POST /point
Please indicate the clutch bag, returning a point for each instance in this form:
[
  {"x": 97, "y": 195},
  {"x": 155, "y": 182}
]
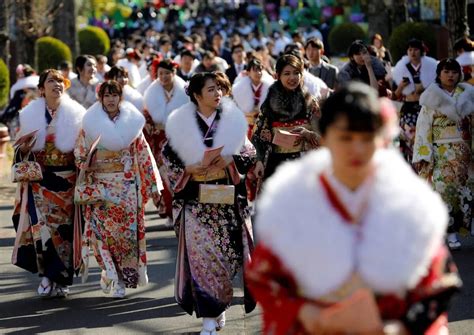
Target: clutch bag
[{"x": 216, "y": 194}]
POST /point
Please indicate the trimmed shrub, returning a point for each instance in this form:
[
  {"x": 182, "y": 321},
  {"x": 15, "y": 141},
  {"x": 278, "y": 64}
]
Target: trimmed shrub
[
  {"x": 342, "y": 36},
  {"x": 93, "y": 41},
  {"x": 4, "y": 83},
  {"x": 406, "y": 31},
  {"x": 49, "y": 52}
]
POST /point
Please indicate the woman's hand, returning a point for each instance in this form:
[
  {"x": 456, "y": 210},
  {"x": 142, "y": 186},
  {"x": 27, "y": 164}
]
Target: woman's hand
[
  {"x": 259, "y": 169},
  {"x": 308, "y": 136},
  {"x": 308, "y": 317}
]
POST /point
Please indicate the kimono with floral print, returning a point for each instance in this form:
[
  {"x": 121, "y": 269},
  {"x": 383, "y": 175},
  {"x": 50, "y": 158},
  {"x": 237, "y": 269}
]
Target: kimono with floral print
[
  {"x": 214, "y": 239},
  {"x": 115, "y": 227},
  {"x": 443, "y": 141}
]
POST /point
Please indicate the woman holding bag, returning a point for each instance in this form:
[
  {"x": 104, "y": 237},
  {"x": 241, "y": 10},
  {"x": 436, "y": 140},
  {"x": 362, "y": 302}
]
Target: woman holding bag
[
  {"x": 215, "y": 236},
  {"x": 370, "y": 255},
  {"x": 125, "y": 173},
  {"x": 49, "y": 127}
]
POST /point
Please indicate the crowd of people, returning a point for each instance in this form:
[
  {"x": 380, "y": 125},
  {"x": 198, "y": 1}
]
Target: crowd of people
[{"x": 233, "y": 129}]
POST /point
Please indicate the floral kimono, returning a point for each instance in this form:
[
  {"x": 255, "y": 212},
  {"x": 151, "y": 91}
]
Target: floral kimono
[
  {"x": 214, "y": 239},
  {"x": 123, "y": 164},
  {"x": 348, "y": 241},
  {"x": 443, "y": 140},
  {"x": 44, "y": 237},
  {"x": 158, "y": 106},
  {"x": 282, "y": 110}
]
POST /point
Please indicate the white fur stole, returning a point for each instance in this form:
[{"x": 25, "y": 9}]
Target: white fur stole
[
  {"x": 427, "y": 72},
  {"x": 454, "y": 107},
  {"x": 155, "y": 100},
  {"x": 114, "y": 136},
  {"x": 133, "y": 96},
  {"x": 186, "y": 138},
  {"x": 243, "y": 93},
  {"x": 391, "y": 248},
  {"x": 69, "y": 117}
]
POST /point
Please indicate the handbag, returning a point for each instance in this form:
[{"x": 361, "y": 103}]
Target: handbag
[
  {"x": 25, "y": 170},
  {"x": 217, "y": 194}
]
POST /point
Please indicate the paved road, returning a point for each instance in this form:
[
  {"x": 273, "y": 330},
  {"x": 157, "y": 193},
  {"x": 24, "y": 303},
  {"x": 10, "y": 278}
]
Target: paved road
[{"x": 147, "y": 310}]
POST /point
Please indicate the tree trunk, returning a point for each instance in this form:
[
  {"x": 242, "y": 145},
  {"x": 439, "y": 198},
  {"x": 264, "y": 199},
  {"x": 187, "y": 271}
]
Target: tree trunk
[
  {"x": 378, "y": 17},
  {"x": 64, "y": 24},
  {"x": 4, "y": 38},
  {"x": 399, "y": 12},
  {"x": 25, "y": 33},
  {"x": 456, "y": 15}
]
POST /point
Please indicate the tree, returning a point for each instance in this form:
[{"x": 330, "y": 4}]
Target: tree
[
  {"x": 456, "y": 14},
  {"x": 378, "y": 16},
  {"x": 64, "y": 24},
  {"x": 4, "y": 39}
]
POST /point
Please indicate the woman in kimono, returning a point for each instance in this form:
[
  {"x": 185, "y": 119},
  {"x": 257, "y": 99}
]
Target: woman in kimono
[
  {"x": 251, "y": 91},
  {"x": 130, "y": 94},
  {"x": 45, "y": 229},
  {"x": 442, "y": 152},
  {"x": 214, "y": 237},
  {"x": 124, "y": 166},
  {"x": 412, "y": 74},
  {"x": 83, "y": 87},
  {"x": 287, "y": 108},
  {"x": 369, "y": 256},
  {"x": 163, "y": 96}
]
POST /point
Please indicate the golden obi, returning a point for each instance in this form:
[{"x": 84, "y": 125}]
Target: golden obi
[
  {"x": 252, "y": 116},
  {"x": 221, "y": 174},
  {"x": 288, "y": 126},
  {"x": 108, "y": 161},
  {"x": 54, "y": 157}
]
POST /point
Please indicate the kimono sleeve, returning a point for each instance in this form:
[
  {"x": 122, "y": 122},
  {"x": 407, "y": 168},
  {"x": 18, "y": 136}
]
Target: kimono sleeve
[
  {"x": 151, "y": 184},
  {"x": 175, "y": 167},
  {"x": 423, "y": 147},
  {"x": 81, "y": 150},
  {"x": 246, "y": 159},
  {"x": 262, "y": 135},
  {"x": 275, "y": 290},
  {"x": 428, "y": 303}
]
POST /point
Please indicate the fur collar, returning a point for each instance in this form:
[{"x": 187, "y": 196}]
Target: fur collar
[
  {"x": 114, "y": 136},
  {"x": 454, "y": 107},
  {"x": 242, "y": 92},
  {"x": 427, "y": 72},
  {"x": 313, "y": 84},
  {"x": 144, "y": 84},
  {"x": 69, "y": 117},
  {"x": 155, "y": 100},
  {"x": 133, "y": 96},
  {"x": 401, "y": 230},
  {"x": 185, "y": 137}
]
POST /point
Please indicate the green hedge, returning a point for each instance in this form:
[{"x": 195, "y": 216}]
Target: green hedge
[
  {"x": 342, "y": 36},
  {"x": 93, "y": 41},
  {"x": 4, "y": 83},
  {"x": 49, "y": 52},
  {"x": 406, "y": 31}
]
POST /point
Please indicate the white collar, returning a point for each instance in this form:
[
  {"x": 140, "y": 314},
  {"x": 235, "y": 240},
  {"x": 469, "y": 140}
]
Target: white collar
[{"x": 209, "y": 120}]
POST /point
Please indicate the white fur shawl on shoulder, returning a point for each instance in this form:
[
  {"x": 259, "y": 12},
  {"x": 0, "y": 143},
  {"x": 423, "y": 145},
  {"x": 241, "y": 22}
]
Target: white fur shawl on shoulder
[
  {"x": 155, "y": 100},
  {"x": 114, "y": 136},
  {"x": 243, "y": 93},
  {"x": 69, "y": 117},
  {"x": 427, "y": 72},
  {"x": 186, "y": 139},
  {"x": 454, "y": 107},
  {"x": 391, "y": 248}
]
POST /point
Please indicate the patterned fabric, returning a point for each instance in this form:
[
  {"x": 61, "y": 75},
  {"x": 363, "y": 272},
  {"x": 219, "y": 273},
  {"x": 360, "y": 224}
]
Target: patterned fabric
[
  {"x": 46, "y": 247},
  {"x": 116, "y": 229},
  {"x": 408, "y": 116},
  {"x": 214, "y": 239},
  {"x": 446, "y": 146},
  {"x": 280, "y": 106},
  {"x": 422, "y": 310}
]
